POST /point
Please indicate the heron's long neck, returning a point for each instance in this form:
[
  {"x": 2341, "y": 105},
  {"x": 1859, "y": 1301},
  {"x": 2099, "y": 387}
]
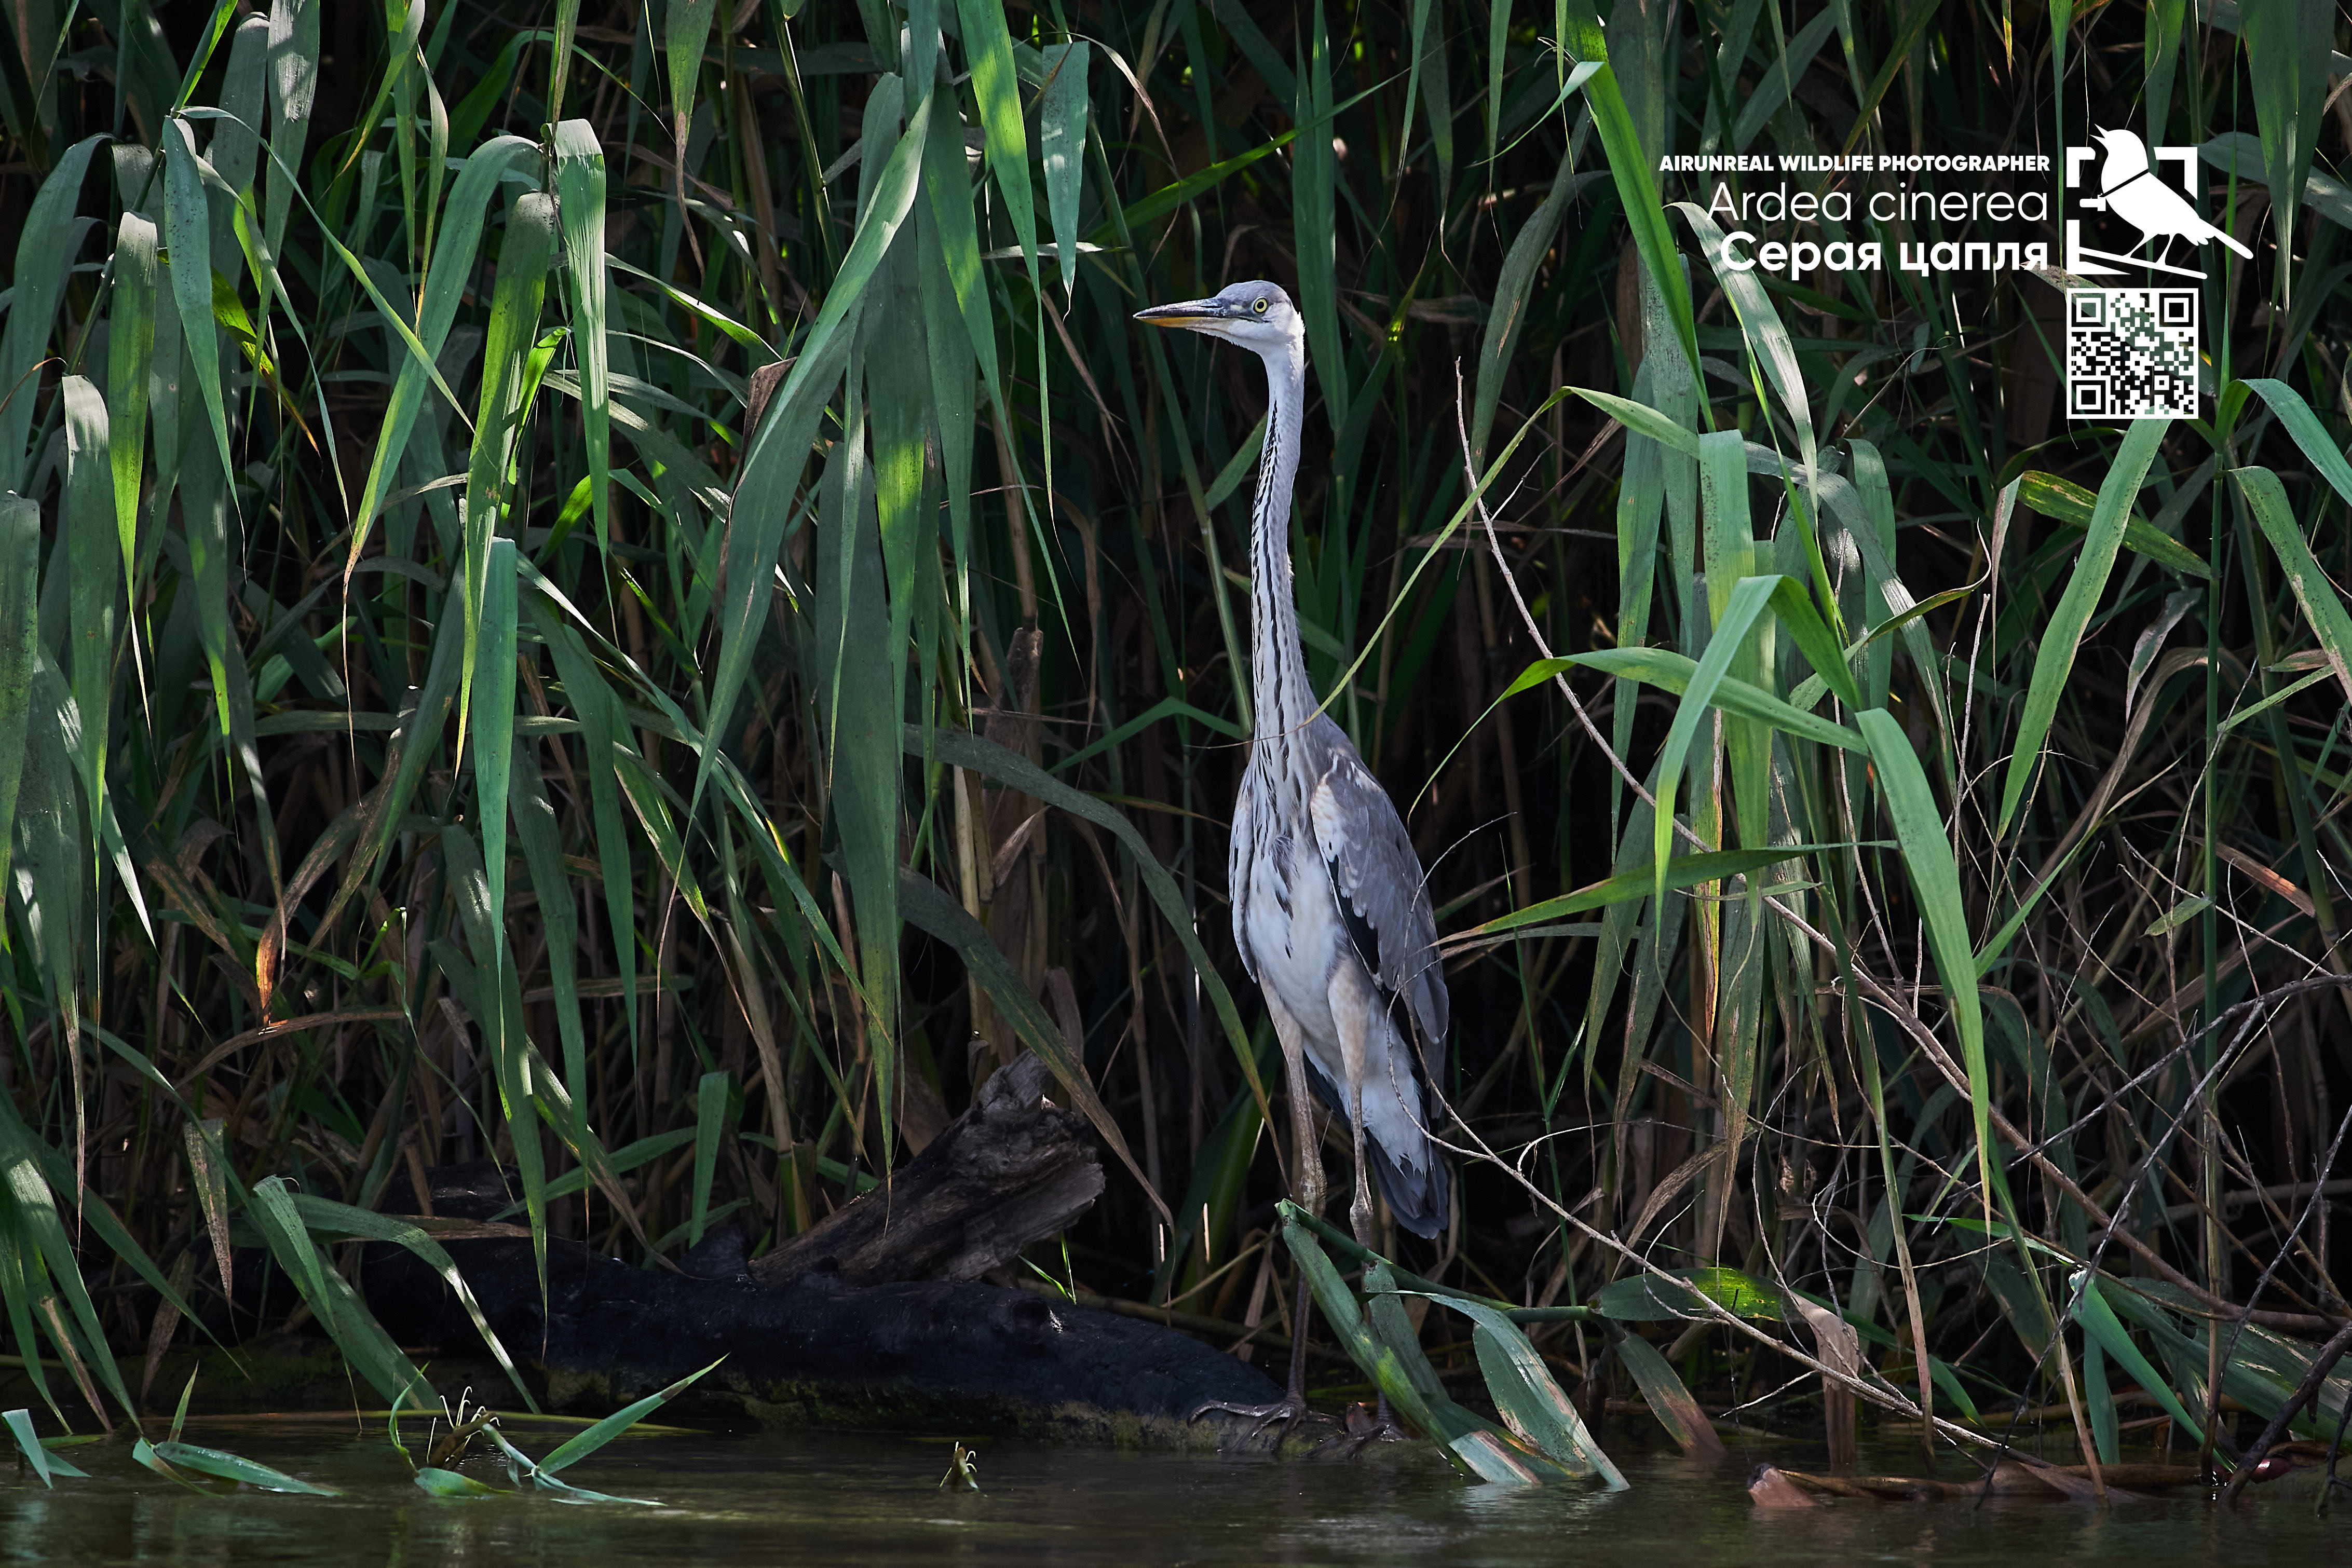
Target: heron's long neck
[{"x": 1278, "y": 689}]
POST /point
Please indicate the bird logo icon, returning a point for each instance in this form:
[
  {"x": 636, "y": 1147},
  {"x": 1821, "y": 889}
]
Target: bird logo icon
[{"x": 2130, "y": 189}]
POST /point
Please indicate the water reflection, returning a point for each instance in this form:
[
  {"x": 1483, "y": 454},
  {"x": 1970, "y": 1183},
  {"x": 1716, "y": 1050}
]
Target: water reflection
[{"x": 824, "y": 1497}]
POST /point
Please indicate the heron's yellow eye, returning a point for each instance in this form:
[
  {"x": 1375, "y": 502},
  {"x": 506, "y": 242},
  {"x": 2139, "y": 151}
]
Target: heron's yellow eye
[{"x": 1259, "y": 305}]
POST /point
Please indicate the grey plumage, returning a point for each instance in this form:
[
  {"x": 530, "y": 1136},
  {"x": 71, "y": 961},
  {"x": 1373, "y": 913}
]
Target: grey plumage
[
  {"x": 1352, "y": 857},
  {"x": 1379, "y": 878},
  {"x": 1330, "y": 907}
]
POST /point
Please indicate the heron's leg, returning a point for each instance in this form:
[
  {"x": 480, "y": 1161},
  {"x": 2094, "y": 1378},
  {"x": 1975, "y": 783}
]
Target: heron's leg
[
  {"x": 1355, "y": 1010},
  {"x": 1308, "y": 1182},
  {"x": 1307, "y": 1191},
  {"x": 1307, "y": 1185}
]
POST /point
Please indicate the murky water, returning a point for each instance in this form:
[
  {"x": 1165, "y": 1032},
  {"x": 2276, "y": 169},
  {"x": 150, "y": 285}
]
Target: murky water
[{"x": 822, "y": 1498}]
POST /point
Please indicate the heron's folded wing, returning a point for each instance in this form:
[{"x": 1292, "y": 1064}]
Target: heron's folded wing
[
  {"x": 1382, "y": 894},
  {"x": 1241, "y": 847}
]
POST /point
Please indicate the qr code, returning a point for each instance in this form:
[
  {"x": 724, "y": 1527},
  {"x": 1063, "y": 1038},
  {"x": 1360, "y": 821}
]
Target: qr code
[{"x": 2131, "y": 353}]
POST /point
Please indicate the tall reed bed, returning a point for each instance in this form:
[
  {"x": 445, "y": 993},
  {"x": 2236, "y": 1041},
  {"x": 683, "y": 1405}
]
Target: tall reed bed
[{"x": 610, "y": 588}]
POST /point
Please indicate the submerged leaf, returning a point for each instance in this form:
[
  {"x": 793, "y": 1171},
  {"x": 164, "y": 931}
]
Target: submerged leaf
[
  {"x": 449, "y": 1483},
  {"x": 229, "y": 1466}
]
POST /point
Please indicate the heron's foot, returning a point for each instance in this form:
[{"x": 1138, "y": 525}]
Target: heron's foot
[{"x": 1289, "y": 1410}]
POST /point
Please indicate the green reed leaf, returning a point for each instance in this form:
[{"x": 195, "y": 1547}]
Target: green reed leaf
[
  {"x": 986, "y": 757},
  {"x": 1780, "y": 79},
  {"x": 2309, "y": 434},
  {"x": 857, "y": 704},
  {"x": 1061, "y": 141},
  {"x": 1936, "y": 880},
  {"x": 1498, "y": 38},
  {"x": 1673, "y": 672},
  {"x": 40, "y": 1230},
  {"x": 1815, "y": 639},
  {"x": 20, "y": 1277},
  {"x": 1768, "y": 337},
  {"x": 293, "y": 92},
  {"x": 2322, "y": 602},
  {"x": 235, "y": 144},
  {"x": 1629, "y": 886},
  {"x": 2099, "y": 1322},
  {"x": 1515, "y": 295},
  {"x": 44, "y": 1464},
  {"x": 493, "y": 995},
  {"x": 492, "y": 707},
  {"x": 1668, "y": 1399},
  {"x": 1532, "y": 1404},
  {"x": 1637, "y": 187},
  {"x": 93, "y": 575},
  {"x": 1430, "y": 60},
  {"x": 779, "y": 451},
  {"x": 514, "y": 329},
  {"x": 1469, "y": 1443},
  {"x": 1747, "y": 601},
  {"x": 895, "y": 362},
  {"x": 602, "y": 728},
  {"x": 686, "y": 27},
  {"x": 209, "y": 1177},
  {"x": 542, "y": 835},
  {"x": 39, "y": 280},
  {"x": 947, "y": 338},
  {"x": 1528, "y": 1397},
  {"x": 1642, "y": 419},
  {"x": 229, "y": 1466},
  {"x": 2067, "y": 503},
  {"x": 2062, "y": 638},
  {"x": 581, "y": 1444},
  {"x": 447, "y": 279},
  {"x": 2287, "y": 45},
  {"x": 324, "y": 1216},
  {"x": 580, "y": 195},
  {"x": 988, "y": 51},
  {"x": 131, "y": 355}
]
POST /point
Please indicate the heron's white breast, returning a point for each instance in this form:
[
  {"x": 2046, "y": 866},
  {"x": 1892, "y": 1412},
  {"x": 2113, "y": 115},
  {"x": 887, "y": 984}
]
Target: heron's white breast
[
  {"x": 1294, "y": 931},
  {"x": 1299, "y": 944}
]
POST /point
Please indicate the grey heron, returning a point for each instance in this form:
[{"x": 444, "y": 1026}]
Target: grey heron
[{"x": 1331, "y": 907}]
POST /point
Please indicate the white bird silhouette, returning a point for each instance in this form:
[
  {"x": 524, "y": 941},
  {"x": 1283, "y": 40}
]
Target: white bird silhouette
[{"x": 2129, "y": 189}]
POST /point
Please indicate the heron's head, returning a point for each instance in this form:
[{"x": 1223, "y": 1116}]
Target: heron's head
[{"x": 1255, "y": 315}]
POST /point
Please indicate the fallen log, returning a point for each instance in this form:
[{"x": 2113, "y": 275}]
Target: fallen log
[
  {"x": 1011, "y": 1170},
  {"x": 817, "y": 1334},
  {"x": 947, "y": 1357}
]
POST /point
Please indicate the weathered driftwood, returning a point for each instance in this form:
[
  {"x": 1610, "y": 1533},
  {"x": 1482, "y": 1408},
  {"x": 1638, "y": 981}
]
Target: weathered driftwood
[
  {"x": 1772, "y": 1487},
  {"x": 807, "y": 1343},
  {"x": 1012, "y": 1169}
]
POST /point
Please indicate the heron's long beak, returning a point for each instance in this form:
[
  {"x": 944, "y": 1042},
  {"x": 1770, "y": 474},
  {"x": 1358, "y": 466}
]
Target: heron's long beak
[{"x": 1192, "y": 313}]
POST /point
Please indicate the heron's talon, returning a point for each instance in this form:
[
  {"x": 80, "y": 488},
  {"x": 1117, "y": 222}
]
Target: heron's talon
[{"x": 1290, "y": 1412}]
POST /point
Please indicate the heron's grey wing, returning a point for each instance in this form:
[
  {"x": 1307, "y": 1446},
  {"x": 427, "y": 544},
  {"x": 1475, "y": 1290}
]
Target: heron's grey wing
[
  {"x": 1241, "y": 848},
  {"x": 1382, "y": 894}
]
